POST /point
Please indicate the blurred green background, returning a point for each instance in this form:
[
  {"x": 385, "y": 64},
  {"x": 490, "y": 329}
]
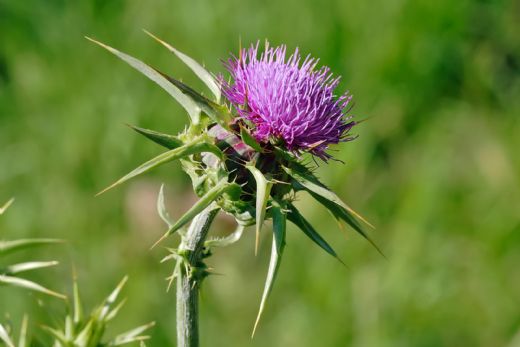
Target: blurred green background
[{"x": 436, "y": 168}]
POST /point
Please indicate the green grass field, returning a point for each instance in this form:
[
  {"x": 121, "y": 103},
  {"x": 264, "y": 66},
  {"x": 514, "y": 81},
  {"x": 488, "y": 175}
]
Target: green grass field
[{"x": 436, "y": 168}]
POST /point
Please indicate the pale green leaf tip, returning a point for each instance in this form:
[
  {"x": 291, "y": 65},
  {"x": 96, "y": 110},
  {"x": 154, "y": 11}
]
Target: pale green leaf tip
[{"x": 6, "y": 206}]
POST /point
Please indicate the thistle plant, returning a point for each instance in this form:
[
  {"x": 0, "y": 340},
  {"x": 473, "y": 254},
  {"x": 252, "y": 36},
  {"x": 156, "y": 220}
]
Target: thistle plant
[
  {"x": 80, "y": 330},
  {"x": 7, "y": 335},
  {"x": 10, "y": 274},
  {"x": 251, "y": 146}
]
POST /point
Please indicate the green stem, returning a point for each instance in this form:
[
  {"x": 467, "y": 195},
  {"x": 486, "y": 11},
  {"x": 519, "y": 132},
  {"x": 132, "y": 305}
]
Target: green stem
[{"x": 188, "y": 282}]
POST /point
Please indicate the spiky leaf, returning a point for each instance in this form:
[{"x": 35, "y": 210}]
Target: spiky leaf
[
  {"x": 279, "y": 230},
  {"x": 133, "y": 335},
  {"x": 296, "y": 217},
  {"x": 186, "y": 102},
  {"x": 310, "y": 183},
  {"x": 212, "y": 194},
  {"x": 263, "y": 191},
  {"x": 165, "y": 140},
  {"x": 174, "y": 154},
  {"x": 23, "y": 341},
  {"x": 216, "y": 112},
  {"x": 342, "y": 214},
  {"x": 198, "y": 69},
  {"x": 26, "y": 284},
  {"x": 27, "y": 266},
  {"x": 4, "y": 336},
  {"x": 227, "y": 240},
  {"x": 161, "y": 208}
]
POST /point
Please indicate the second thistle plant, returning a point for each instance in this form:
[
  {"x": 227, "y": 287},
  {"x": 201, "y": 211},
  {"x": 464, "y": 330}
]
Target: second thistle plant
[{"x": 244, "y": 152}]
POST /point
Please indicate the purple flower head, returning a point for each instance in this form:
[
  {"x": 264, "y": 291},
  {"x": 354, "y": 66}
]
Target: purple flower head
[{"x": 289, "y": 102}]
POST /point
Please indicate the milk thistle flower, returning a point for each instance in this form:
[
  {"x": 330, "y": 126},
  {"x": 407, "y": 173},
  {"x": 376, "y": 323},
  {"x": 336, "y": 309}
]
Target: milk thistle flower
[
  {"x": 243, "y": 152},
  {"x": 289, "y": 102}
]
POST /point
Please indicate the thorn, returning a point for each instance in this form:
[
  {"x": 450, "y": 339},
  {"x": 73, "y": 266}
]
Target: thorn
[
  {"x": 257, "y": 241},
  {"x": 160, "y": 240}
]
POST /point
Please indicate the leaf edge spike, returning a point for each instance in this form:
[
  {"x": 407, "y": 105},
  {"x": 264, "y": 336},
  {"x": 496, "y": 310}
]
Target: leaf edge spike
[
  {"x": 263, "y": 191},
  {"x": 165, "y": 140},
  {"x": 312, "y": 184},
  {"x": 278, "y": 245},
  {"x": 205, "y": 201},
  {"x": 157, "y": 77},
  {"x": 295, "y": 217},
  {"x": 203, "y": 74},
  {"x": 191, "y": 148}
]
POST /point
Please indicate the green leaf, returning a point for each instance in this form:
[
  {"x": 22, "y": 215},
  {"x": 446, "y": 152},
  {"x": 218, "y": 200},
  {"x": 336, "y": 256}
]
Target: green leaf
[
  {"x": 212, "y": 194},
  {"x": 218, "y": 113},
  {"x": 174, "y": 154},
  {"x": 110, "y": 300},
  {"x": 279, "y": 230},
  {"x": 165, "y": 140},
  {"x": 311, "y": 183},
  {"x": 342, "y": 214},
  {"x": 23, "y": 341},
  {"x": 78, "y": 308},
  {"x": 18, "y": 245},
  {"x": 227, "y": 240},
  {"x": 263, "y": 191},
  {"x": 198, "y": 69},
  {"x": 133, "y": 335},
  {"x": 161, "y": 208},
  {"x": 250, "y": 140},
  {"x": 4, "y": 336},
  {"x": 154, "y": 75},
  {"x": 23, "y": 283},
  {"x": 22, "y": 267},
  {"x": 296, "y": 217},
  {"x": 6, "y": 206}
]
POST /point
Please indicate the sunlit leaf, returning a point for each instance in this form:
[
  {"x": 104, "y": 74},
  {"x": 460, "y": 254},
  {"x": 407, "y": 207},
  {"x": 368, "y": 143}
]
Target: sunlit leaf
[
  {"x": 26, "y": 284},
  {"x": 263, "y": 191},
  {"x": 311, "y": 183},
  {"x": 227, "y": 240},
  {"x": 342, "y": 214},
  {"x": 279, "y": 230},
  {"x": 212, "y": 194},
  {"x": 218, "y": 113},
  {"x": 6, "y": 206},
  {"x": 186, "y": 102},
  {"x": 133, "y": 335},
  {"x": 165, "y": 140},
  {"x": 4, "y": 336},
  {"x": 18, "y": 245},
  {"x": 198, "y": 69},
  {"x": 161, "y": 208},
  {"x": 110, "y": 300},
  {"x": 296, "y": 217},
  {"x": 33, "y": 265},
  {"x": 23, "y": 341},
  {"x": 174, "y": 154},
  {"x": 78, "y": 308}
]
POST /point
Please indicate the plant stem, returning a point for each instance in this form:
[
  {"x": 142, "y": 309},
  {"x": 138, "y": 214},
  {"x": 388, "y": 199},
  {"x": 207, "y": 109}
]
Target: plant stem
[{"x": 188, "y": 282}]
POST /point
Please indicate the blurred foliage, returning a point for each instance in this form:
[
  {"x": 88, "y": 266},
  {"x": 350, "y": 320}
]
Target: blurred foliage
[{"x": 436, "y": 167}]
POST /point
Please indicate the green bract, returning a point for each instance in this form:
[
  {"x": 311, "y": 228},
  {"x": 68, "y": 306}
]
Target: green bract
[
  {"x": 231, "y": 171},
  {"x": 9, "y": 274}
]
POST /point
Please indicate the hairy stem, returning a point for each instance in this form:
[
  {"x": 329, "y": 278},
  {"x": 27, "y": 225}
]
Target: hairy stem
[{"x": 190, "y": 276}]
